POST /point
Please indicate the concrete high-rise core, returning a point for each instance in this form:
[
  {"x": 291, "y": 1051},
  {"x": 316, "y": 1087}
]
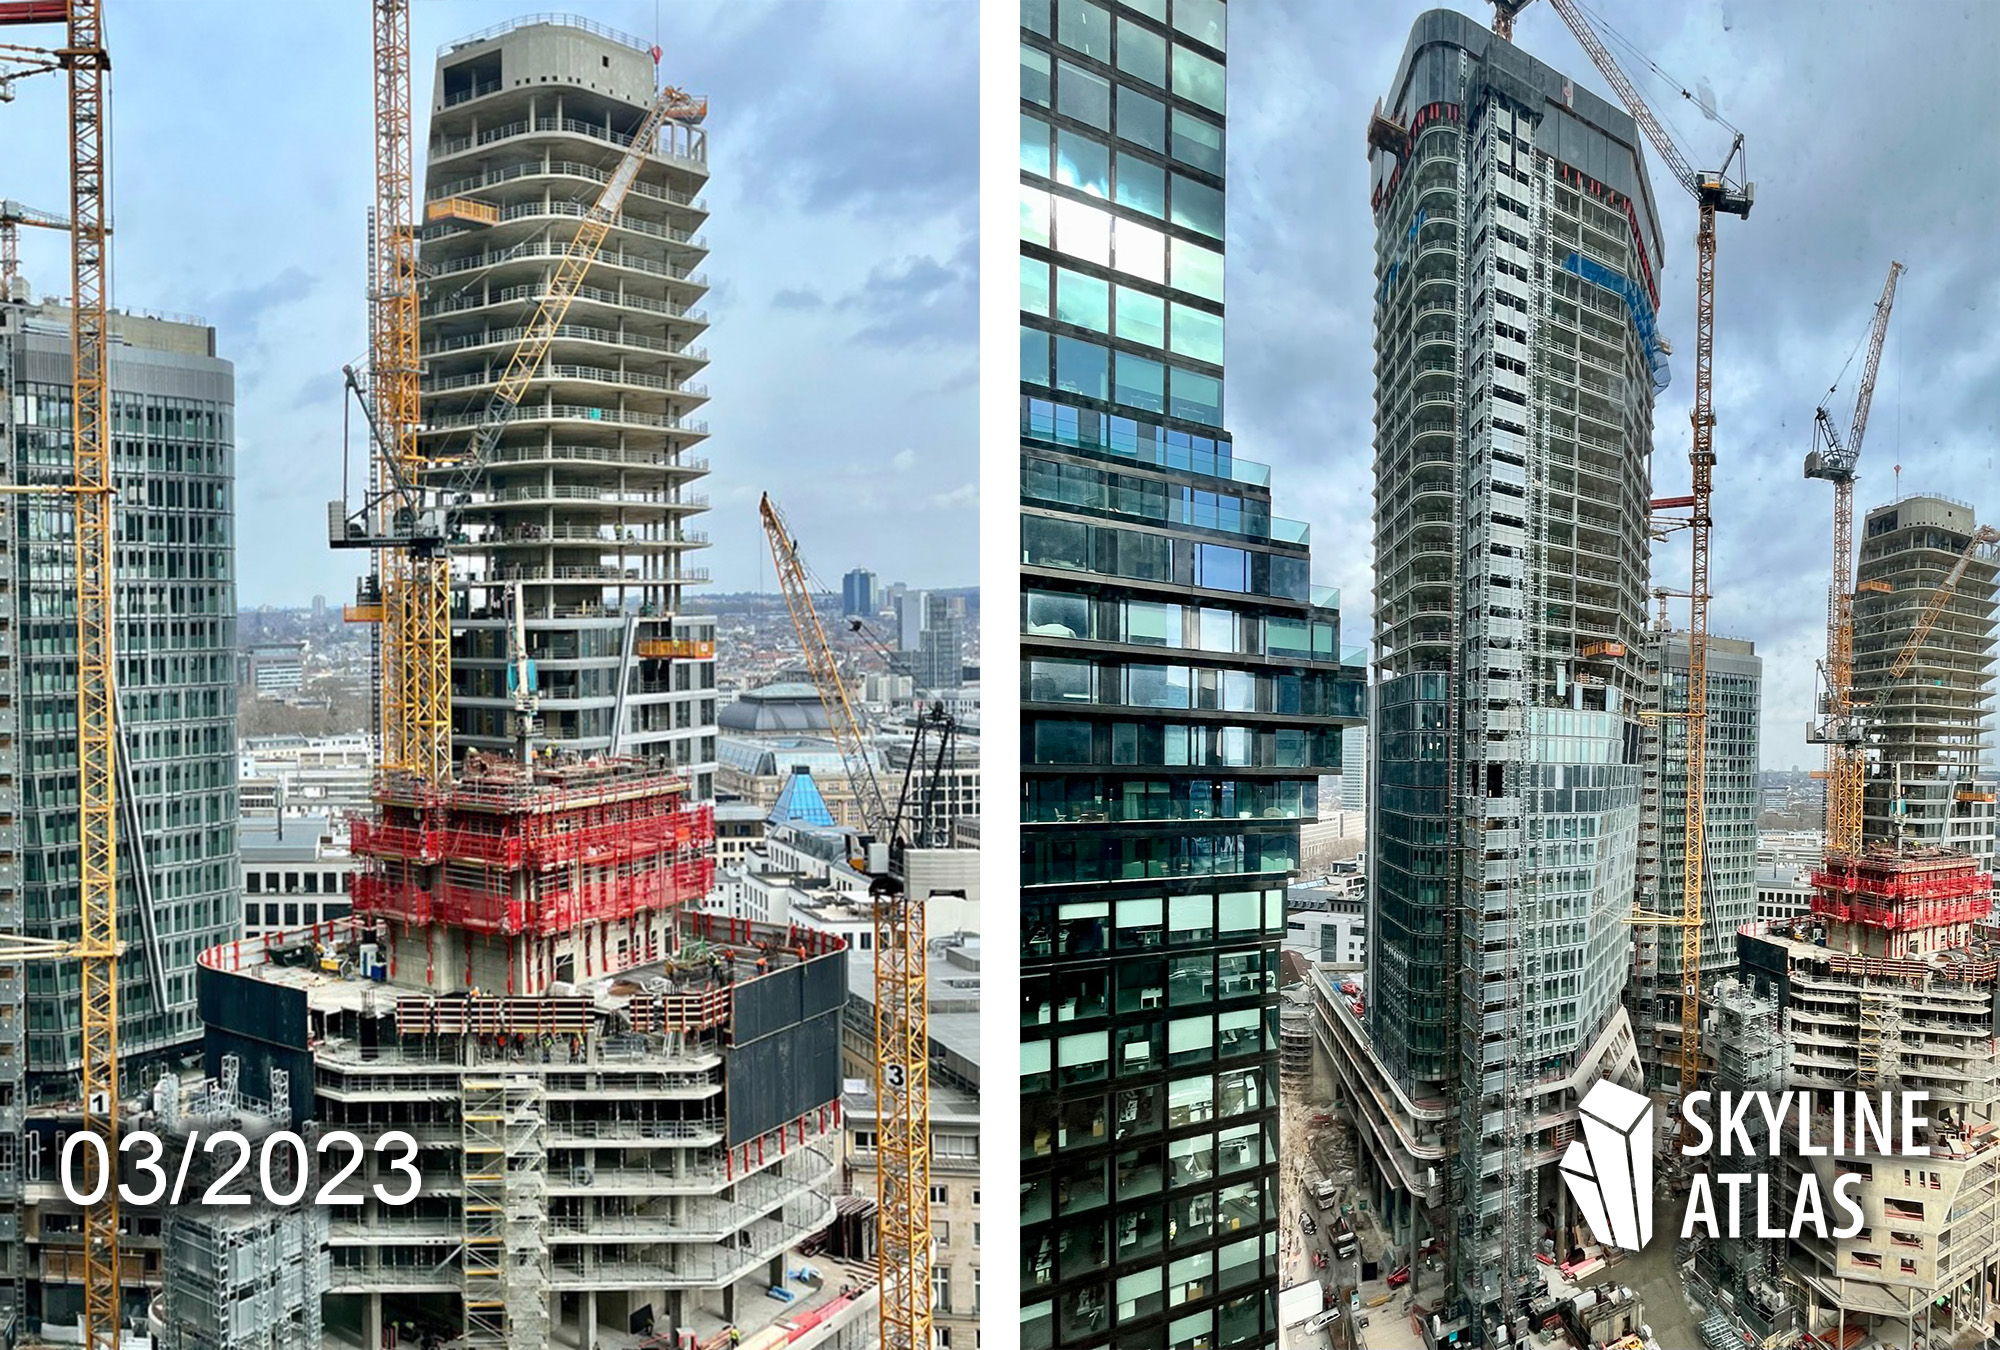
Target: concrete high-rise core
[
  {"x": 583, "y": 510},
  {"x": 1516, "y": 283},
  {"x": 1928, "y": 729}
]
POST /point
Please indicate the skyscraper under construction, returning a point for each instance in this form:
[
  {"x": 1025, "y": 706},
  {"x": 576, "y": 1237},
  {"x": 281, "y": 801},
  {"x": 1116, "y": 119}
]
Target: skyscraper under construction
[{"x": 1516, "y": 275}]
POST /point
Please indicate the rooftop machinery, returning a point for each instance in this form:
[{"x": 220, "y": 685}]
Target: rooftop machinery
[
  {"x": 902, "y": 998},
  {"x": 93, "y": 508},
  {"x": 1714, "y": 192},
  {"x": 1838, "y": 728}
]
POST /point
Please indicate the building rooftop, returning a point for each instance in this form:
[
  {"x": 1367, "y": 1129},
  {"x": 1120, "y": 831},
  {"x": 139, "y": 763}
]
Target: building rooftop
[
  {"x": 304, "y": 838},
  {"x": 952, "y": 971}
]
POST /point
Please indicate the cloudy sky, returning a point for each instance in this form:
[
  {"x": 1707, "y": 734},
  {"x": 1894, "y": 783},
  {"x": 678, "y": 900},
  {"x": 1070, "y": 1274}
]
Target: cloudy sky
[
  {"x": 843, "y": 218},
  {"x": 1872, "y": 130}
]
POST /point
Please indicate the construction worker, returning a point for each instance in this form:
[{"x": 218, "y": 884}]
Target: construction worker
[{"x": 735, "y": 1336}]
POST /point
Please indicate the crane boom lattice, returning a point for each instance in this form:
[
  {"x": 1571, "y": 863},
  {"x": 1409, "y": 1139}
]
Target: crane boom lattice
[
  {"x": 1713, "y": 193},
  {"x": 1840, "y": 730},
  {"x": 902, "y": 1007}
]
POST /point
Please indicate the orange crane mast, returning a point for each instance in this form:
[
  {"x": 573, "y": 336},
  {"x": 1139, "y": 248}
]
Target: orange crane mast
[
  {"x": 93, "y": 506},
  {"x": 902, "y": 998},
  {"x": 1714, "y": 193},
  {"x": 1838, "y": 728}
]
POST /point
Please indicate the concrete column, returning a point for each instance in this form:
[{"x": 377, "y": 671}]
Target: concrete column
[
  {"x": 371, "y": 1321},
  {"x": 587, "y": 1336},
  {"x": 676, "y": 1309},
  {"x": 777, "y": 1270},
  {"x": 729, "y": 1303}
]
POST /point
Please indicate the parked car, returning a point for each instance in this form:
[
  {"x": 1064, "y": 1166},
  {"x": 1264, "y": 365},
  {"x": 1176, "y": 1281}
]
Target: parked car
[{"x": 1306, "y": 1222}]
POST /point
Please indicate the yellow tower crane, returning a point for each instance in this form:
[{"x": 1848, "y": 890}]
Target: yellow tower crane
[
  {"x": 902, "y": 1009},
  {"x": 406, "y": 516},
  {"x": 93, "y": 507},
  {"x": 1838, "y": 728},
  {"x": 1714, "y": 193}
]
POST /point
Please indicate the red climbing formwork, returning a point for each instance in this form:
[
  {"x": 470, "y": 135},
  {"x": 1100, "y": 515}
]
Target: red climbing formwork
[
  {"x": 1903, "y": 891},
  {"x": 511, "y": 851}
]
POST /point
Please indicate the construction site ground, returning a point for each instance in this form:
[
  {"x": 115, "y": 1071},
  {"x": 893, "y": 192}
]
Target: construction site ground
[{"x": 1313, "y": 1151}]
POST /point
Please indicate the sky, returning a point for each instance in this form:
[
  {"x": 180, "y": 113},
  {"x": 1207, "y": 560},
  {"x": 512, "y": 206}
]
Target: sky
[
  {"x": 843, "y": 208},
  {"x": 1872, "y": 132}
]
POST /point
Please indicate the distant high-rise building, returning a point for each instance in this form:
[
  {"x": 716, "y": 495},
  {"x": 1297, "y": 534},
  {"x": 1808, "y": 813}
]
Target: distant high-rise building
[
  {"x": 911, "y": 606},
  {"x": 1354, "y": 770},
  {"x": 1729, "y": 889},
  {"x": 583, "y": 512},
  {"x": 1929, "y": 727},
  {"x": 941, "y": 645},
  {"x": 1182, "y": 691},
  {"x": 1516, "y": 367},
  {"x": 858, "y": 595},
  {"x": 319, "y": 609}
]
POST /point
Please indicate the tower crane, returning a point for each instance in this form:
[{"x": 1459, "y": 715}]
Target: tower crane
[
  {"x": 902, "y": 1009},
  {"x": 1838, "y": 728},
  {"x": 12, "y": 216},
  {"x": 405, "y": 516},
  {"x": 93, "y": 506},
  {"x": 1714, "y": 193}
]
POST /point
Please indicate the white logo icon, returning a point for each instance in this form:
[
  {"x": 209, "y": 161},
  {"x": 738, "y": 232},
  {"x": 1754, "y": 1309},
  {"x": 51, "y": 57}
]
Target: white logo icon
[{"x": 1609, "y": 1171}]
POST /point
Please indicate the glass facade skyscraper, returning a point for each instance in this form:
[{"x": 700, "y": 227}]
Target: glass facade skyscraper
[{"x": 1182, "y": 690}]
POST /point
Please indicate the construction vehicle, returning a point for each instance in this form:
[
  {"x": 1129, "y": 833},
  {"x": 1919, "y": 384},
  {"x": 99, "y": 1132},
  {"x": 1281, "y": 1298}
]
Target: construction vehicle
[
  {"x": 1714, "y": 193},
  {"x": 1837, "y": 728},
  {"x": 406, "y": 513},
  {"x": 93, "y": 506},
  {"x": 902, "y": 1011}
]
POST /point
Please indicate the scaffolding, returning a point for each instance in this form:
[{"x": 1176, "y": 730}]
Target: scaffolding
[
  {"x": 1912, "y": 891},
  {"x": 236, "y": 1278},
  {"x": 535, "y": 853}
]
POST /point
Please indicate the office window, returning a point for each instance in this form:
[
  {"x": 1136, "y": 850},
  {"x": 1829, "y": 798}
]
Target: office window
[
  {"x": 1206, "y": 21},
  {"x": 1142, "y": 186},
  {"x": 1083, "y": 300},
  {"x": 1034, "y": 286},
  {"x": 1197, "y": 333},
  {"x": 1198, "y": 142},
  {"x": 1085, "y": 27},
  {"x": 1196, "y": 206},
  {"x": 1141, "y": 317},
  {"x": 1034, "y": 146},
  {"x": 1083, "y": 95},
  {"x": 1034, "y": 75},
  {"x": 1035, "y": 354},
  {"x": 1139, "y": 383},
  {"x": 1083, "y": 163},
  {"x": 1142, "y": 120},
  {"x": 1142, "y": 251},
  {"x": 1142, "y": 52},
  {"x": 1198, "y": 79},
  {"x": 1083, "y": 231},
  {"x": 1083, "y": 368}
]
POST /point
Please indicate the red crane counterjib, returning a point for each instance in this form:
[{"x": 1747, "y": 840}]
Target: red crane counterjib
[{"x": 34, "y": 11}]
